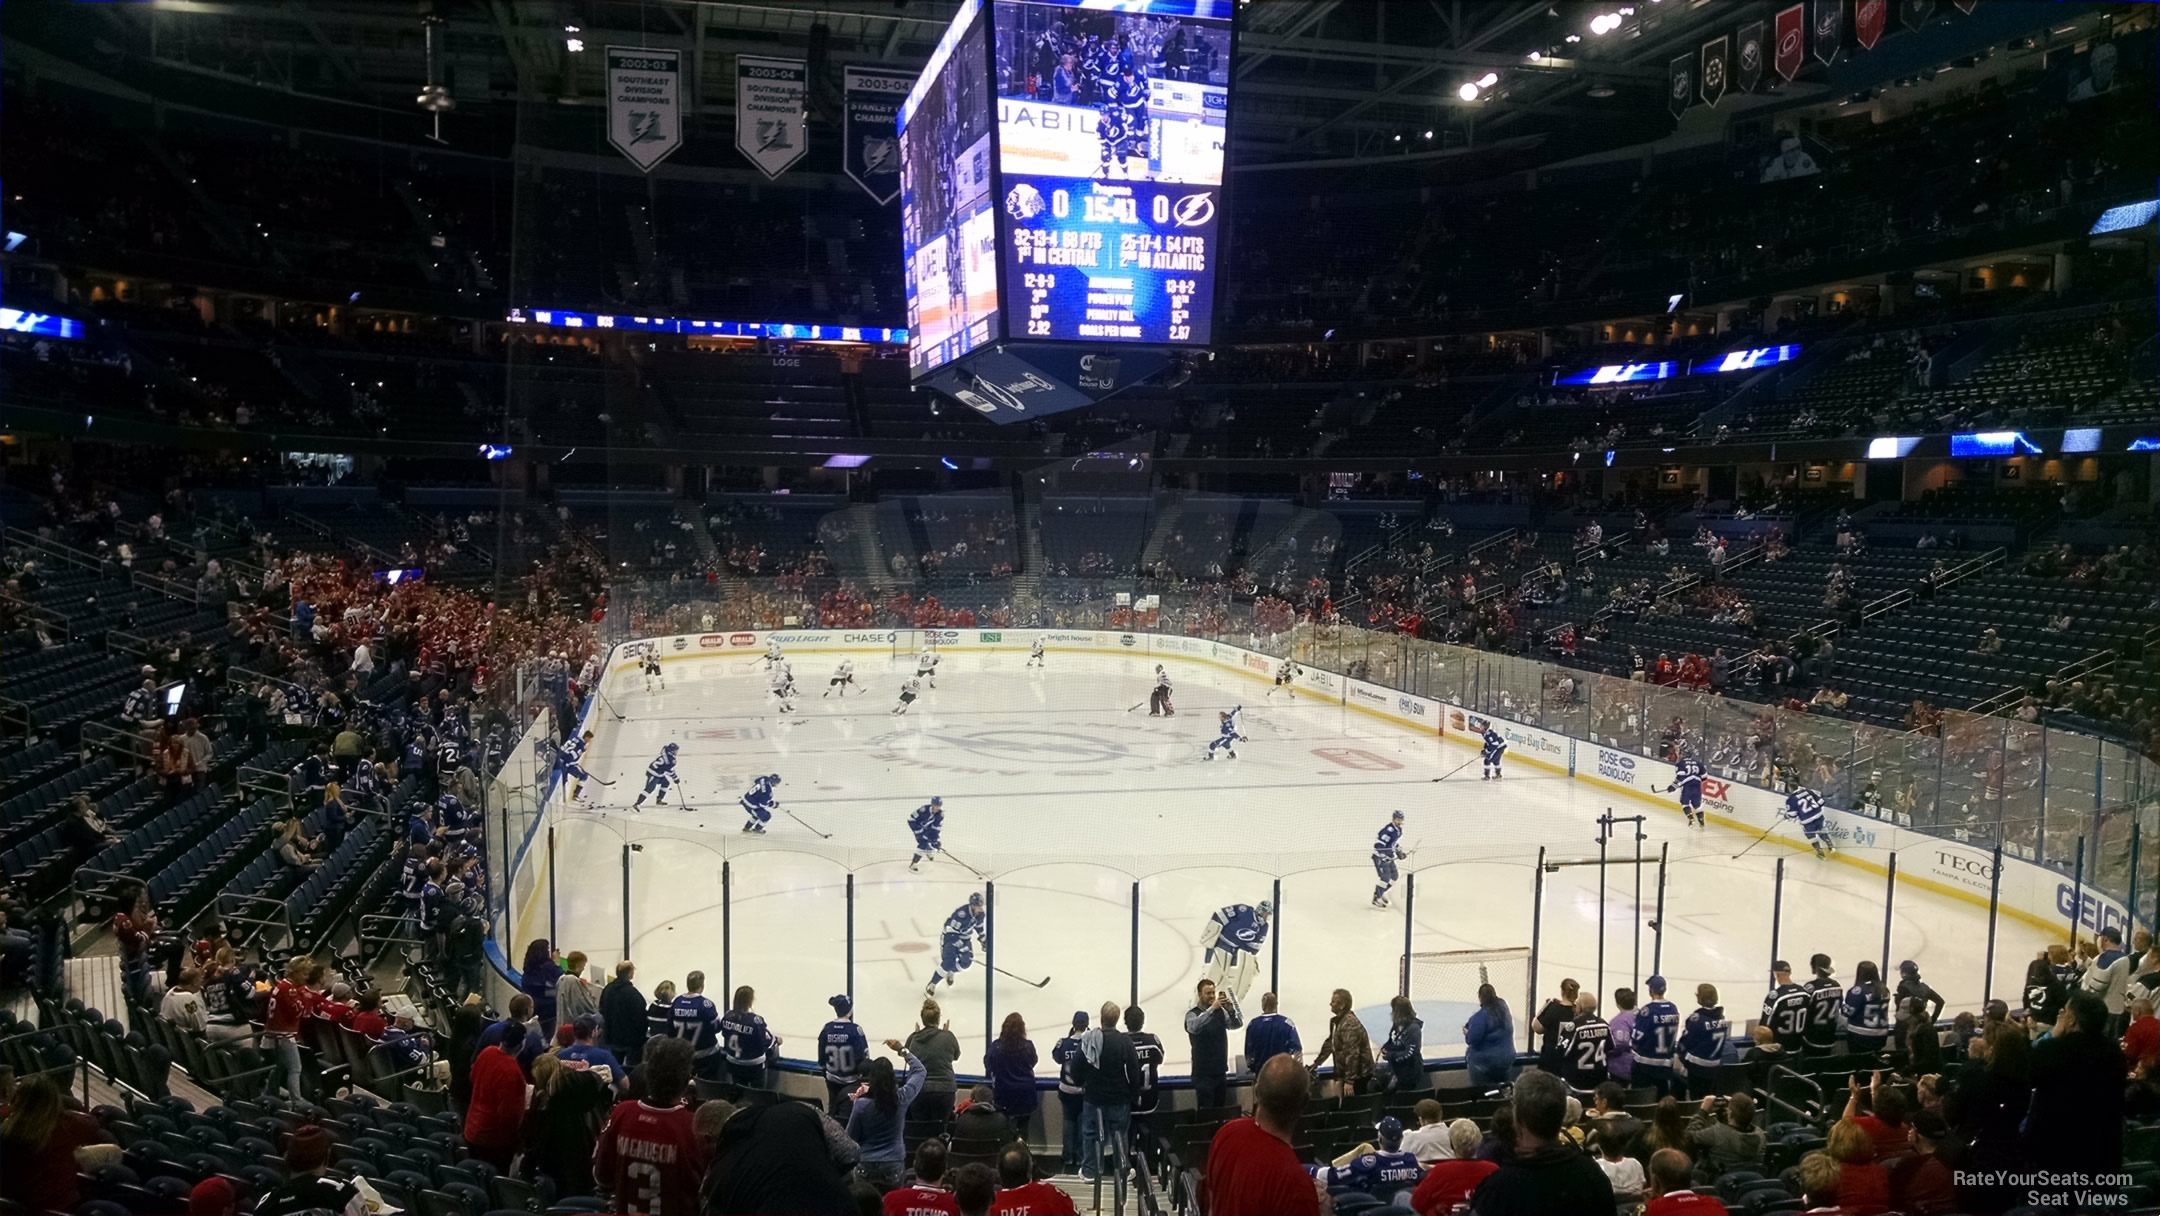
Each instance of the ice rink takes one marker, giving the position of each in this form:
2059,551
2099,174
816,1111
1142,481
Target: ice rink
1079,806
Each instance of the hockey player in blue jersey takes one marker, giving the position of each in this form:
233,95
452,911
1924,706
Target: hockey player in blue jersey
1230,946
926,823
1495,746
1230,736
758,803
1688,779
1656,1041
1386,851
659,776
958,942
1805,807
1379,1168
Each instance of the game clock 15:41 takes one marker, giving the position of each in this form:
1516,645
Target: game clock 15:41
1109,261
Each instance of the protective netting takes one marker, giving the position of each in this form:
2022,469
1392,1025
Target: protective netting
1443,987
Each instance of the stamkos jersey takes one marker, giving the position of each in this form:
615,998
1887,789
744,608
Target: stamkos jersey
1826,1000
1381,1174
760,793
1585,1051
1786,1011
1688,775
1657,1034
1702,1040
1242,928
842,1049
1806,806
965,920
1495,743
1066,1055
927,818
1388,845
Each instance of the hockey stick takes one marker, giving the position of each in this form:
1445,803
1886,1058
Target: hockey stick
1135,705
1041,983
813,831
1458,768
1758,840
964,865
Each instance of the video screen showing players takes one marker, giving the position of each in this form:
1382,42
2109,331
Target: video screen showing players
948,222
1112,95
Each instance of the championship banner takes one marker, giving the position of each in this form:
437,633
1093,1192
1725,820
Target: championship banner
770,96
1868,19
1749,73
644,104
869,127
1829,29
1915,13
1716,55
1791,46
1680,84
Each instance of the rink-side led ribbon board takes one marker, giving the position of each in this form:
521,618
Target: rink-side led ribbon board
1105,842
1063,198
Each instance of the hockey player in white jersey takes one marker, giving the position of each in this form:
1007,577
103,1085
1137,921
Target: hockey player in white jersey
773,653
1230,946
1285,676
1035,653
1386,851
1230,738
910,688
783,686
926,665
843,678
660,776
649,663
1158,705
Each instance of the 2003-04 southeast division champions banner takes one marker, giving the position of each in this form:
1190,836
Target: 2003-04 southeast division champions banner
770,96
871,130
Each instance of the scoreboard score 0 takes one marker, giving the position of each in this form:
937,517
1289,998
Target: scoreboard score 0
1106,199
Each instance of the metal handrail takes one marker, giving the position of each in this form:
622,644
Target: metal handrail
1497,538
2097,661
112,738
60,549
16,714
51,616
165,586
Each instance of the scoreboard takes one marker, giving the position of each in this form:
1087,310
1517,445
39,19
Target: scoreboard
1063,172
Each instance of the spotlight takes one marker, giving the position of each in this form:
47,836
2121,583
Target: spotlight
1488,80
576,46
1468,91
1574,37
1428,135
947,462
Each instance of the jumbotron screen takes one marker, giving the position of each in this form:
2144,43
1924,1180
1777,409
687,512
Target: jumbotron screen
1112,118
948,224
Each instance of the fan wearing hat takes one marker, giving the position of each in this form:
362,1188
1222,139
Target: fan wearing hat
1379,1167
842,1049
310,1187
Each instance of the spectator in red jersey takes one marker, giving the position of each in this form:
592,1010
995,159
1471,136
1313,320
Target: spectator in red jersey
1886,1128
495,1114
649,1160
1020,1194
367,1018
1449,1182
1863,1189
1251,1168
39,1141
2141,1041
926,1196
1670,1170
292,1000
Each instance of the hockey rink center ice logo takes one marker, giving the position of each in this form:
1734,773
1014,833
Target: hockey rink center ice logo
1024,749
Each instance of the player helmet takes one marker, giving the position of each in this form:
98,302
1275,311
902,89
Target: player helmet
773,777
936,801
1389,1132
1266,908
975,899
1398,816
672,748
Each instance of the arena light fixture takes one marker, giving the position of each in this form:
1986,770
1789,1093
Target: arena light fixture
1488,80
575,46
1468,91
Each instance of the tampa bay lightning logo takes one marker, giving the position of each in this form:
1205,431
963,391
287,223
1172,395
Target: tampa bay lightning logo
1194,210
1022,748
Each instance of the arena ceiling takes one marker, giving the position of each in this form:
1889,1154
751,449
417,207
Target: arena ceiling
1322,81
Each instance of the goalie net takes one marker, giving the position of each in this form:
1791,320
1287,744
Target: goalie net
1443,986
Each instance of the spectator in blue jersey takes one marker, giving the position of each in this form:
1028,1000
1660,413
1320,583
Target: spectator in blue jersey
747,1040
537,978
1657,1038
583,1050
516,1034
1066,1055
1403,1052
842,1050
1010,1065
1867,1016
1379,1167
1489,1037
1702,1043
1270,1035
878,1121
693,1016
